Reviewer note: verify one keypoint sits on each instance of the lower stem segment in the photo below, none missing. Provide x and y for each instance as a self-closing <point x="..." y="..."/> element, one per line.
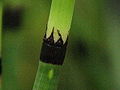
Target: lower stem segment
<point x="47" y="77"/>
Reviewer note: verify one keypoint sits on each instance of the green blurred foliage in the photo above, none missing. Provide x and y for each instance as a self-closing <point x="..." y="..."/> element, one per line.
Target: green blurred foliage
<point x="21" y="47"/>
<point x="0" y="30"/>
<point x="92" y="60"/>
<point x="0" y="25"/>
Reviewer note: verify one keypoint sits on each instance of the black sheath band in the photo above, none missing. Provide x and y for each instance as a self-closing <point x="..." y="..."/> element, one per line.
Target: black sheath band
<point x="53" y="53"/>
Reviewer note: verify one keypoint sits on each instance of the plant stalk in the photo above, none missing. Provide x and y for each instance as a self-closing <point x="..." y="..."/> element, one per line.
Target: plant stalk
<point x="54" y="45"/>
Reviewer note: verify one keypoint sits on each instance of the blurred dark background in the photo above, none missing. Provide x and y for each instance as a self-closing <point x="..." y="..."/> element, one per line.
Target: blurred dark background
<point x="93" y="57"/>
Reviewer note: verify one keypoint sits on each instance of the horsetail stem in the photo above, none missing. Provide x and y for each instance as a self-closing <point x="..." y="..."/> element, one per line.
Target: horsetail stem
<point x="54" y="45"/>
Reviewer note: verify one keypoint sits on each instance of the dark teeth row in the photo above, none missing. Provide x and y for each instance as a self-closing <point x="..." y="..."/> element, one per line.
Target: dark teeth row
<point x="53" y="52"/>
<point x="50" y="40"/>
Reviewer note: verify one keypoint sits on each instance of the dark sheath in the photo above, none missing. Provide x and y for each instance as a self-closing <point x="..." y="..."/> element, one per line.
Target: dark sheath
<point x="53" y="53"/>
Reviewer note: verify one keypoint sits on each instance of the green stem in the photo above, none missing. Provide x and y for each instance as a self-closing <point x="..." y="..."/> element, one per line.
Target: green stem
<point x="47" y="77"/>
<point x="60" y="17"/>
<point x="54" y="45"/>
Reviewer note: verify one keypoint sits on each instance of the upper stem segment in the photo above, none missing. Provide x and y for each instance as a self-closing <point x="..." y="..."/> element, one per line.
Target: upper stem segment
<point x="60" y="18"/>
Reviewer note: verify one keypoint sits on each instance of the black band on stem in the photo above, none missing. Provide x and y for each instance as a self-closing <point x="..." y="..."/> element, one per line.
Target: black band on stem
<point x="53" y="52"/>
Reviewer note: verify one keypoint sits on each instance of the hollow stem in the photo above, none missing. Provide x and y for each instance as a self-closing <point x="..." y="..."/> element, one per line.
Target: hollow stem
<point x="54" y="45"/>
